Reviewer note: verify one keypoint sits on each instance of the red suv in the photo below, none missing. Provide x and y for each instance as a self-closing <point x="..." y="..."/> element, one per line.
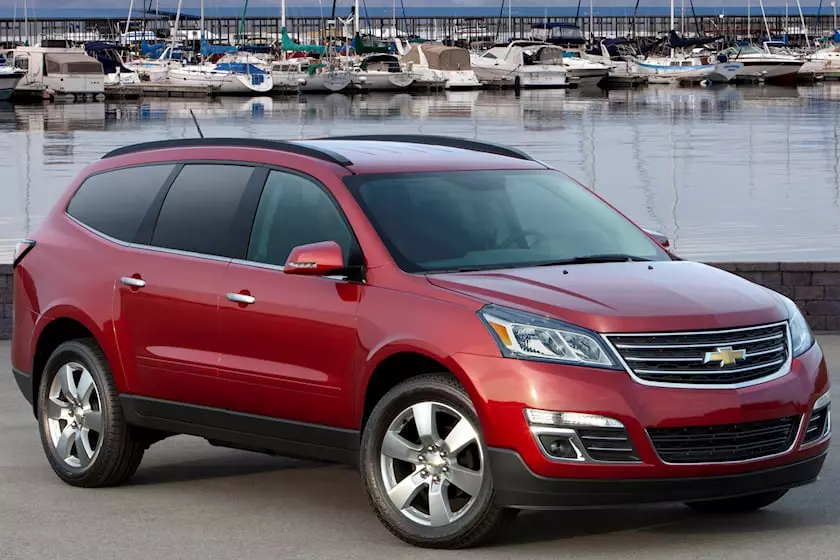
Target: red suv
<point x="477" y="331"/>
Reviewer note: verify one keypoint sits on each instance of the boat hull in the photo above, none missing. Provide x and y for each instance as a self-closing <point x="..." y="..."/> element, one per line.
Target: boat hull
<point x="383" y="81"/>
<point x="224" y="83"/>
<point x="770" y="71"/>
<point x="716" y="73"/>
<point x="8" y="82"/>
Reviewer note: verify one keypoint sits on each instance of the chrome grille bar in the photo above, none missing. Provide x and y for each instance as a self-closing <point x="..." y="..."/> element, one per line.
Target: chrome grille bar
<point x="705" y="359"/>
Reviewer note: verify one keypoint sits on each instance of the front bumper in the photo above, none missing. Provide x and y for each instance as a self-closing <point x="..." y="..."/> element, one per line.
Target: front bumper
<point x="519" y="487"/>
<point x="502" y="388"/>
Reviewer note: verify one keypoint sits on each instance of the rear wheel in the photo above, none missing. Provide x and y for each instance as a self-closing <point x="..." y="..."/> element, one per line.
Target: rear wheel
<point x="425" y="469"/>
<point x="83" y="432"/>
<point x="742" y="504"/>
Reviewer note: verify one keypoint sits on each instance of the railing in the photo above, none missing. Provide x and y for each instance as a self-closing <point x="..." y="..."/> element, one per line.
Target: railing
<point x="490" y="28"/>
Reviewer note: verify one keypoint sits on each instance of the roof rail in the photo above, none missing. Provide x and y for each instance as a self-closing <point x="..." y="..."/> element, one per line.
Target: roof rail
<point x="447" y="141"/>
<point x="278" y="145"/>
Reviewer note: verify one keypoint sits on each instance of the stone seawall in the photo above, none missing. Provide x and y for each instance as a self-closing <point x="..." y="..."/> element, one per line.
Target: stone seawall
<point x="814" y="286"/>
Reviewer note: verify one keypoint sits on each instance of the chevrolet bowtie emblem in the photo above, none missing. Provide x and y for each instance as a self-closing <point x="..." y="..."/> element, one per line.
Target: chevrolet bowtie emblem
<point x="726" y="356"/>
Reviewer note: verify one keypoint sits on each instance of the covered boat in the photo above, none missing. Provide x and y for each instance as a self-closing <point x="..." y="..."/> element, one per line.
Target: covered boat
<point x="434" y="61"/>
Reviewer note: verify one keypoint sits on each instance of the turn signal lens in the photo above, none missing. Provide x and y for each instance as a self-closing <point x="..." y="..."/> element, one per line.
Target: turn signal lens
<point x="21" y="250"/>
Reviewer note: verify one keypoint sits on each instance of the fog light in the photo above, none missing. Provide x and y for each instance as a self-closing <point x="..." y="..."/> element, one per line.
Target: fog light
<point x="549" y="418"/>
<point x="560" y="447"/>
<point x="823" y="401"/>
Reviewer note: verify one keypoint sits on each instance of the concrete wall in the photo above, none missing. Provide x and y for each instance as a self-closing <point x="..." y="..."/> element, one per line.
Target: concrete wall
<point x="5" y="301"/>
<point x="815" y="287"/>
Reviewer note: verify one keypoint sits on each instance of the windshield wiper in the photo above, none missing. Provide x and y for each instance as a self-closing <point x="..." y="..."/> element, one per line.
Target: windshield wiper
<point x="617" y="257"/>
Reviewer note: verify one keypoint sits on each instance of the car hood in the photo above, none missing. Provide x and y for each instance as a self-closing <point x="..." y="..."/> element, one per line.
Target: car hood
<point x="627" y="296"/>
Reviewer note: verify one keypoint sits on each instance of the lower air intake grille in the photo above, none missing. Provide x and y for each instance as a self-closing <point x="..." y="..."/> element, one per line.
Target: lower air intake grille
<point x="724" y="443"/>
<point x="608" y="445"/>
<point x="817" y="425"/>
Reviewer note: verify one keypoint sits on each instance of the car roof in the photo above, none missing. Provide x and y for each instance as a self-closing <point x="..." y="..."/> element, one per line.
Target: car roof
<point x="368" y="153"/>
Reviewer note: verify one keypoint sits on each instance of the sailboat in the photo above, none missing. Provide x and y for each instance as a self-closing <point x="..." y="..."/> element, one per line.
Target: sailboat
<point x="308" y="72"/>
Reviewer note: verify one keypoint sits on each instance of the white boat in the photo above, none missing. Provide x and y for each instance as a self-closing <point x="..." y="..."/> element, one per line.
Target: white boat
<point x="227" y="78"/>
<point x="824" y="62"/>
<point x="9" y="79"/>
<point x="154" y="70"/>
<point x="309" y="76"/>
<point x="436" y="62"/>
<point x="57" y="71"/>
<point x="521" y="64"/>
<point x="580" y="69"/>
<point x="382" y="72"/>
<point x="762" y="65"/>
<point x="686" y="69"/>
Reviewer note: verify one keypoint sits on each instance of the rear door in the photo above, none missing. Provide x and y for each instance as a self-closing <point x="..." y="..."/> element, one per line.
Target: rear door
<point x="172" y="281"/>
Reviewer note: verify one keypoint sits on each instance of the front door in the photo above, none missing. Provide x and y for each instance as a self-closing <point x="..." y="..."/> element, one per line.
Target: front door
<point x="288" y="343"/>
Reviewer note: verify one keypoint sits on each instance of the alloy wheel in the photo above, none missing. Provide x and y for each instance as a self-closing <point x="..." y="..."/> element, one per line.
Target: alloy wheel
<point x="74" y="416"/>
<point x="432" y="464"/>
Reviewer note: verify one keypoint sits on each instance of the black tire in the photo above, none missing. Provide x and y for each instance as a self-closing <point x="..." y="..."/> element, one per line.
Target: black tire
<point x="741" y="504"/>
<point x="483" y="521"/>
<point x="118" y="455"/>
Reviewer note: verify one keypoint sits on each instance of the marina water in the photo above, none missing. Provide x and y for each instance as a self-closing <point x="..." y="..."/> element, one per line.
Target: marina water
<point x="746" y="173"/>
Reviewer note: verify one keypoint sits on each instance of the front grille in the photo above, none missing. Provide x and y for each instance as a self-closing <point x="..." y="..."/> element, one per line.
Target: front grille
<point x="695" y="358"/>
<point x="724" y="443"/>
<point x="608" y="444"/>
<point x="816" y="425"/>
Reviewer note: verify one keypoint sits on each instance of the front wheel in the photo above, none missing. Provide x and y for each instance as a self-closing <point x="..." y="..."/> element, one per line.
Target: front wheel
<point x="742" y="504"/>
<point x="425" y="468"/>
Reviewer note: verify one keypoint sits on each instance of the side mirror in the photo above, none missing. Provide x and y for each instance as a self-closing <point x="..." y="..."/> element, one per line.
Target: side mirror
<point x="659" y="238"/>
<point x="316" y="259"/>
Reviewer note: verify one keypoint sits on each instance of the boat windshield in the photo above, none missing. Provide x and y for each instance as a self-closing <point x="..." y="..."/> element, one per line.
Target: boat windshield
<point x="481" y="220"/>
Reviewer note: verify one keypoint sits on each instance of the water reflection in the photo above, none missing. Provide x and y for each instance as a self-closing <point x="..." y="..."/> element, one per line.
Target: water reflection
<point x="728" y="173"/>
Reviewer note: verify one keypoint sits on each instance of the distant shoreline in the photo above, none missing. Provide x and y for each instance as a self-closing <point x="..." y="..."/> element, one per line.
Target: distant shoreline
<point x="427" y="12"/>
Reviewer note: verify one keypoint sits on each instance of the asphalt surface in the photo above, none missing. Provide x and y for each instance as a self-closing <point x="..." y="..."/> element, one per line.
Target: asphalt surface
<point x="190" y="500"/>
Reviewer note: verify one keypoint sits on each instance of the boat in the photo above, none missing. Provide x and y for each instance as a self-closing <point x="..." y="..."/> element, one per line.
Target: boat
<point x="687" y="68"/>
<point x="58" y="70"/>
<point x="116" y="73"/>
<point x="824" y="62"/>
<point x="521" y="64"/>
<point x="9" y="79"/>
<point x="382" y="72"/>
<point x="228" y="78"/>
<point x="310" y="75"/>
<point x="435" y="62"/>
<point x="763" y="65"/>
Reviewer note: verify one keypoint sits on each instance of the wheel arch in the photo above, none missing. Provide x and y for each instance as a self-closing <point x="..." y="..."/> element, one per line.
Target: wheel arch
<point x="399" y="362"/>
<point x="60" y="325"/>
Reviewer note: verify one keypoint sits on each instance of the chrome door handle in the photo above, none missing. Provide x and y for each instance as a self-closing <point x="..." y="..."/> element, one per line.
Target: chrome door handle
<point x="242" y="298"/>
<point x="133" y="282"/>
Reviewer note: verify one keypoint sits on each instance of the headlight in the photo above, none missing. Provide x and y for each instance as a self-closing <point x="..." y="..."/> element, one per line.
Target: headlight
<point x="801" y="338"/>
<point x="526" y="336"/>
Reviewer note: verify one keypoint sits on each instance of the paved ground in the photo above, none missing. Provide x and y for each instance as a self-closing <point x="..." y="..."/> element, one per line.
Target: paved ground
<point x="190" y="500"/>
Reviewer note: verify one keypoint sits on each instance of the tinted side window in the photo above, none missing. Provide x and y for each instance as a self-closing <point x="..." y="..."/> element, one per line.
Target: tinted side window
<point x="116" y="202"/>
<point x="294" y="211"/>
<point x="200" y="208"/>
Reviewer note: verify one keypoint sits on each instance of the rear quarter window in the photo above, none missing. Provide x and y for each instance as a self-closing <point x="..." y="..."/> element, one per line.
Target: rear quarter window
<point x="115" y="202"/>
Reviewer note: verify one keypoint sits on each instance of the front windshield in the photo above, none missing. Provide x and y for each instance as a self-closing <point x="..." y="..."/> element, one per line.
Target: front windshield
<point x="479" y="220"/>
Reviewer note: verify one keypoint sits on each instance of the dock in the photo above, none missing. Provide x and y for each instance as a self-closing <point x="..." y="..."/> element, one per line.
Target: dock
<point x="136" y="91"/>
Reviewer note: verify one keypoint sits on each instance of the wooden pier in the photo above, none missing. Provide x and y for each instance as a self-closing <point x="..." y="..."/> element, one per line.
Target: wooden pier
<point x="136" y="91"/>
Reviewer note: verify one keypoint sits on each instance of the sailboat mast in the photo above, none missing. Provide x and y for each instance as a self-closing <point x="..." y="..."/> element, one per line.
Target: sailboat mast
<point x="128" y="20"/>
<point x="175" y="29"/>
<point x="764" y="17"/>
<point x="673" y="24"/>
<point x="282" y="14"/>
<point x="356" y="17"/>
<point x="802" y="21"/>
<point x="242" y="24"/>
<point x="510" y="18"/>
<point x="202" y="19"/>
<point x="591" y="20"/>
<point x="26" y="20"/>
